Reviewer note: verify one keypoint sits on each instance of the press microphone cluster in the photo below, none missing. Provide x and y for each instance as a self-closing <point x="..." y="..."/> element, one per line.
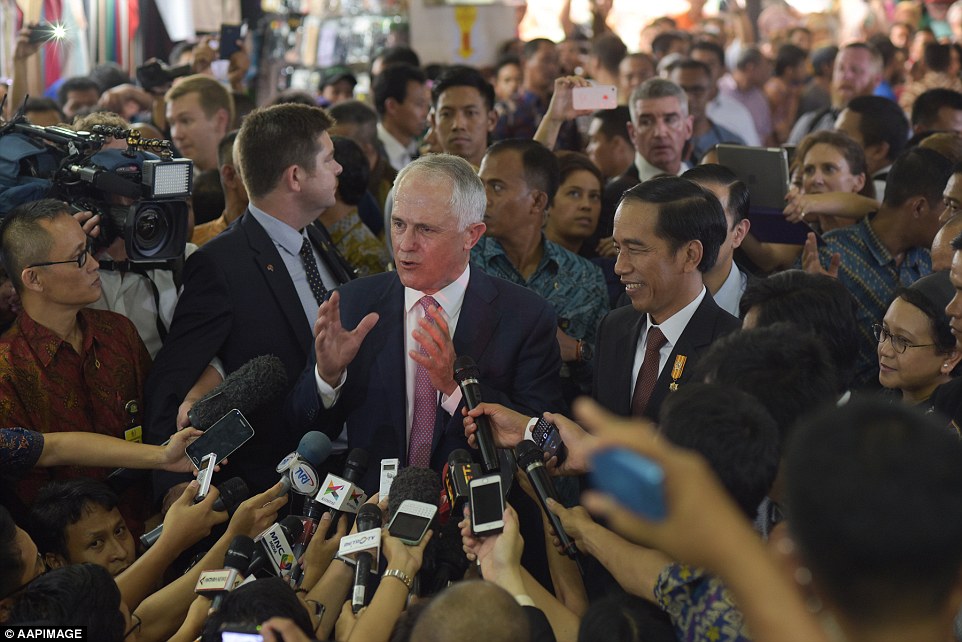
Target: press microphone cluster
<point x="275" y="548"/>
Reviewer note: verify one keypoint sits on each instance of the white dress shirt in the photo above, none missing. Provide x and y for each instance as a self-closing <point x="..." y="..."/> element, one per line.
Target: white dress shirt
<point x="450" y="299"/>
<point x="673" y="327"/>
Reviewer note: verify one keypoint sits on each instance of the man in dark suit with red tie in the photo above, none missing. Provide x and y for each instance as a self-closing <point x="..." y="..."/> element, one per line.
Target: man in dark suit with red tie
<point x="668" y="231"/>
<point x="385" y="346"/>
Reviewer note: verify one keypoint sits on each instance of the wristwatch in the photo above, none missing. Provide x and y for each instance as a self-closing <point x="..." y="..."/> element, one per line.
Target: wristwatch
<point x="585" y="351"/>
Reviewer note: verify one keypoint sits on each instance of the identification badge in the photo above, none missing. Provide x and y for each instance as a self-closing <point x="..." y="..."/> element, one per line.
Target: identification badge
<point x="134" y="434"/>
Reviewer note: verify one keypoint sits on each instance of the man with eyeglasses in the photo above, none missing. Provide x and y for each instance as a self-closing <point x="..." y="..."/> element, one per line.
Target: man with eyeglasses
<point x="659" y="127"/>
<point x="63" y="367"/>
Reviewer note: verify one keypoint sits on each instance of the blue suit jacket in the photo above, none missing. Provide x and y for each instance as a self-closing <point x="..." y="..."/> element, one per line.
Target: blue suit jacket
<point x="508" y="330"/>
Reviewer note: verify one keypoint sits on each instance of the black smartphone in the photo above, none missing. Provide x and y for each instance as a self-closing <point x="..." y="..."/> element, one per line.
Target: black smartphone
<point x="227" y="435"/>
<point x="41" y="33"/>
<point x="229" y="35"/>
<point x="549" y="439"/>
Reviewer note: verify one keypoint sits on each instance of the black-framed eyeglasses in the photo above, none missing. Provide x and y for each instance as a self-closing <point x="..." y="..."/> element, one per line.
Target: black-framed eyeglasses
<point x="899" y="343"/>
<point x="80" y="260"/>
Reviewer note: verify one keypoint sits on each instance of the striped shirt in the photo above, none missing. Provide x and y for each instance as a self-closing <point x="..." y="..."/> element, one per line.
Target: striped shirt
<point x="870" y="273"/>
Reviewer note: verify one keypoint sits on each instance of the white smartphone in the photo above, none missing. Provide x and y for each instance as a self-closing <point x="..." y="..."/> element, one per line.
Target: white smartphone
<point x="594" y="97"/>
<point x="204" y="474"/>
<point x="411" y="521"/>
<point x="487" y="505"/>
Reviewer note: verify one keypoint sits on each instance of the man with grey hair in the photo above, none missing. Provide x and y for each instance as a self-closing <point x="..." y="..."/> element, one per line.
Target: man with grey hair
<point x="659" y="127"/>
<point x="385" y="346"/>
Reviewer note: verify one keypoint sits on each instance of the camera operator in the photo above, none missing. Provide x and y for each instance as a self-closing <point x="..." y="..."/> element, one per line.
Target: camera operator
<point x="147" y="294"/>
<point x="62" y="366"/>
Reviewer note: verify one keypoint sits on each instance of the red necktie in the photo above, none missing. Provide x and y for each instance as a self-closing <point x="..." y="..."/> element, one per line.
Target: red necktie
<point x="648" y="372"/>
<point x="425" y="407"/>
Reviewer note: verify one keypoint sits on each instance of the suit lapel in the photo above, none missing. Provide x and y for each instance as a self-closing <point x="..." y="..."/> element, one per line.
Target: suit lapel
<point x="697" y="336"/>
<point x="275" y="274"/>
<point x="479" y="316"/>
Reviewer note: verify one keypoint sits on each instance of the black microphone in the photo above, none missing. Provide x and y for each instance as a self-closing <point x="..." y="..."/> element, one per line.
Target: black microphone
<point x="237" y="557"/>
<point x="354" y="469"/>
<point x="258" y="382"/>
<point x="271" y="544"/>
<point x="466" y="373"/>
<point x="450" y="562"/>
<point x="233" y="492"/>
<point x="531" y="460"/>
<point x="368" y="517"/>
<point x="107" y="181"/>
<point x="459" y="472"/>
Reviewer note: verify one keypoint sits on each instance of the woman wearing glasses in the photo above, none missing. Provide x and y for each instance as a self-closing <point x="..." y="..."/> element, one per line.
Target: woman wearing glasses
<point x="916" y="349"/>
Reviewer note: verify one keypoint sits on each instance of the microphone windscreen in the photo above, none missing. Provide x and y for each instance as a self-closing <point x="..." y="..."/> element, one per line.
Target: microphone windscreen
<point x="459" y="456"/>
<point x="239" y="553"/>
<point x="233" y="492"/>
<point x="258" y="382"/>
<point x="419" y="484"/>
<point x="368" y="517"/>
<point x="465" y="368"/>
<point x="527" y="453"/>
<point x="292" y="526"/>
<point x="314" y="447"/>
<point x="356" y="465"/>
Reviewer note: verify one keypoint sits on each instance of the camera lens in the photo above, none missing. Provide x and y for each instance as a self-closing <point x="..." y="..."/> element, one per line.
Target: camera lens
<point x="151" y="230"/>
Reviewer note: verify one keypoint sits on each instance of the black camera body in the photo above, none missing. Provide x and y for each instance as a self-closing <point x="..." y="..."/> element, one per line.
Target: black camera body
<point x="140" y="196"/>
<point x="155" y="74"/>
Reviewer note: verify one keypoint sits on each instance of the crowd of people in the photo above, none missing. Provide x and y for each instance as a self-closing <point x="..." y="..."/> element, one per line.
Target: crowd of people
<point x="759" y="440"/>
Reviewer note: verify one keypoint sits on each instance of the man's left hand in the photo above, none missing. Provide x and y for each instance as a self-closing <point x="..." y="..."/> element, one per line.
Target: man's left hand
<point x="433" y="335"/>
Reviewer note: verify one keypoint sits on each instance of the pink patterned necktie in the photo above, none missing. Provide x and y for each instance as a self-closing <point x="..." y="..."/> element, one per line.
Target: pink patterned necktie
<point x="425" y="407"/>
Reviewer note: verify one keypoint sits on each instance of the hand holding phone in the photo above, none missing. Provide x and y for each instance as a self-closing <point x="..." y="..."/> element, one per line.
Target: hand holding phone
<point x="227" y="435"/>
<point x="486" y="500"/>
<point x="204" y="476"/>
<point x="548" y="438"/>
<point x="411" y="521"/>
<point x="229" y="36"/>
<point x="594" y="97"/>
<point x="633" y="480"/>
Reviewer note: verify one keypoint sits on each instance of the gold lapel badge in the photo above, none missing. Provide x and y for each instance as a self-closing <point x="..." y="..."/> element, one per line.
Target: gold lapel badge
<point x="676" y="371"/>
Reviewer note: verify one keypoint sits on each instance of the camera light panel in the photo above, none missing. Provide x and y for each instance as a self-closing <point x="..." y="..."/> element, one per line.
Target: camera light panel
<point x="169" y="179"/>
